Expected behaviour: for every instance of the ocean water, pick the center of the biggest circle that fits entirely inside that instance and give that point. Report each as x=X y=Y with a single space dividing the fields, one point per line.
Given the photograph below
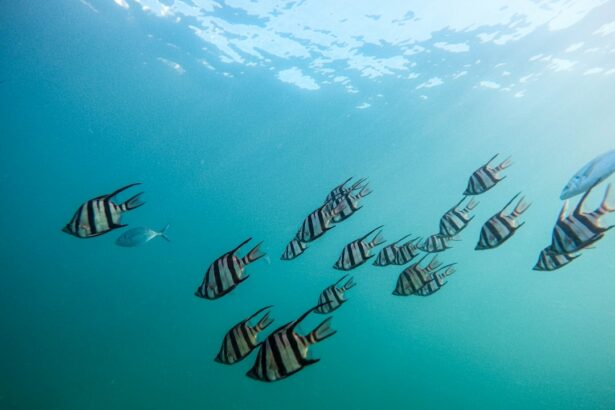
x=240 y=130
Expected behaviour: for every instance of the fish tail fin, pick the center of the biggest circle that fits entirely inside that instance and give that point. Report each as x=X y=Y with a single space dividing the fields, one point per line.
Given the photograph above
x=521 y=207
x=348 y=285
x=163 y=233
x=322 y=331
x=378 y=240
x=133 y=202
x=471 y=205
x=504 y=164
x=264 y=322
x=358 y=184
x=338 y=208
x=604 y=205
x=254 y=254
x=365 y=191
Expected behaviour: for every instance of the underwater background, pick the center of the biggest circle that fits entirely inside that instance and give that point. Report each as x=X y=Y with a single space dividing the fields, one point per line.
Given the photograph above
x=233 y=141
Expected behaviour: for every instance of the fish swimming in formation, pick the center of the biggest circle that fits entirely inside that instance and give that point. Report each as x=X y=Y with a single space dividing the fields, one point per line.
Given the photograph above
x=101 y=214
x=486 y=177
x=342 y=190
x=455 y=219
x=317 y=223
x=284 y=352
x=239 y=342
x=138 y=236
x=351 y=204
x=594 y=172
x=500 y=227
x=389 y=254
x=333 y=296
x=293 y=249
x=438 y=279
x=226 y=272
x=357 y=252
x=549 y=260
x=580 y=229
x=435 y=243
x=415 y=276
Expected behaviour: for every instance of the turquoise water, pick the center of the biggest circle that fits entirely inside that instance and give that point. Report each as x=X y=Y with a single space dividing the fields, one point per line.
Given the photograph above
x=88 y=106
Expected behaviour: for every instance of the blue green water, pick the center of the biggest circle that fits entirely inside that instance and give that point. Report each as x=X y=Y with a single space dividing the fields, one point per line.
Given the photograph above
x=87 y=106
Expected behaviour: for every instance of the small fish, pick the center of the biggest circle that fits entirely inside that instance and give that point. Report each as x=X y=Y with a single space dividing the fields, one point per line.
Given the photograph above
x=455 y=220
x=415 y=276
x=549 y=260
x=226 y=272
x=407 y=252
x=351 y=204
x=239 y=342
x=594 y=172
x=435 y=243
x=500 y=227
x=317 y=223
x=293 y=250
x=333 y=296
x=138 y=236
x=101 y=215
x=438 y=279
x=284 y=352
x=485 y=178
x=342 y=190
x=388 y=254
x=357 y=252
x=580 y=229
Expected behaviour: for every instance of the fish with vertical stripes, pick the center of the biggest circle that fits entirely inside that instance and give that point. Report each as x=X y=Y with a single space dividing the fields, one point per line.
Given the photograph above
x=293 y=249
x=501 y=227
x=357 y=252
x=239 y=342
x=486 y=177
x=435 y=243
x=342 y=190
x=226 y=272
x=438 y=279
x=317 y=223
x=101 y=214
x=407 y=252
x=549 y=260
x=579 y=230
x=396 y=254
x=351 y=203
x=333 y=296
x=455 y=219
x=415 y=276
x=284 y=352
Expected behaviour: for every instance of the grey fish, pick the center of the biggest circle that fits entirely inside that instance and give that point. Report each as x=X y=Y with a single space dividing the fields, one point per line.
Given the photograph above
x=138 y=236
x=594 y=172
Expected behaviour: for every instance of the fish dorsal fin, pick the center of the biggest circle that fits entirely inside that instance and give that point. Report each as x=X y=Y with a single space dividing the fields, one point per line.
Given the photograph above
x=400 y=239
x=508 y=204
x=233 y=251
x=258 y=312
x=369 y=233
x=294 y=323
x=492 y=158
x=340 y=279
x=578 y=210
x=114 y=193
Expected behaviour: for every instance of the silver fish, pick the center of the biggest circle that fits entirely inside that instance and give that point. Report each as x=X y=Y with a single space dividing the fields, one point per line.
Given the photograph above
x=138 y=236
x=594 y=172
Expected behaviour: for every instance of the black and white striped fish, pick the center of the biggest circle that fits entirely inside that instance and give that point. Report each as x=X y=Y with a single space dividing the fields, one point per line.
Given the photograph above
x=351 y=202
x=438 y=279
x=226 y=272
x=500 y=227
x=342 y=190
x=333 y=296
x=580 y=229
x=435 y=243
x=407 y=252
x=284 y=352
x=549 y=260
x=293 y=249
x=455 y=219
x=101 y=215
x=318 y=222
x=388 y=254
x=415 y=276
x=357 y=252
x=242 y=338
x=485 y=178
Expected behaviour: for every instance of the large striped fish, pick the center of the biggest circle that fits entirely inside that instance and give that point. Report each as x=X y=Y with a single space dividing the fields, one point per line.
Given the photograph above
x=342 y=190
x=549 y=260
x=351 y=203
x=485 y=178
x=318 y=222
x=226 y=272
x=415 y=276
x=101 y=214
x=388 y=254
x=438 y=279
x=455 y=219
x=333 y=296
x=435 y=243
x=580 y=229
x=357 y=252
x=242 y=338
x=293 y=249
x=500 y=227
x=284 y=352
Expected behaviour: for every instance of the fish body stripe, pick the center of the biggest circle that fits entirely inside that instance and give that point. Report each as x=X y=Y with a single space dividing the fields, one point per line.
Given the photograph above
x=353 y=255
x=330 y=299
x=435 y=243
x=387 y=255
x=293 y=249
x=406 y=253
x=575 y=232
x=222 y=276
x=315 y=225
x=497 y=230
x=282 y=354
x=548 y=260
x=481 y=181
x=95 y=217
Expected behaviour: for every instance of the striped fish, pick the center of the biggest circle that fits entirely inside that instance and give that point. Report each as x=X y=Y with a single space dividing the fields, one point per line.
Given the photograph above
x=351 y=202
x=318 y=222
x=580 y=229
x=500 y=227
x=333 y=296
x=455 y=219
x=101 y=215
x=342 y=190
x=357 y=252
x=407 y=252
x=549 y=260
x=284 y=352
x=388 y=254
x=438 y=279
x=241 y=339
x=226 y=272
x=293 y=250
x=485 y=178
x=435 y=243
x=415 y=276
